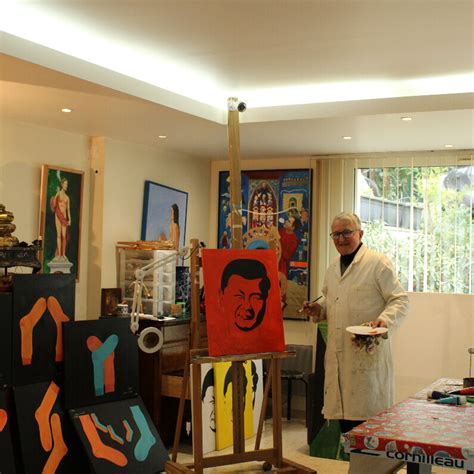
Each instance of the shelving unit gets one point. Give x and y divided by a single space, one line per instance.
161 284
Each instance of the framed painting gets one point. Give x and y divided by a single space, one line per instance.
276 213
242 298
164 214
60 219
110 298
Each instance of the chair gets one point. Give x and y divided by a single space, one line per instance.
297 369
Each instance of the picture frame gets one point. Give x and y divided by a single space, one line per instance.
164 214
110 298
269 199
61 219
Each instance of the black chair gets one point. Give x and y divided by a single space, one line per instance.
297 369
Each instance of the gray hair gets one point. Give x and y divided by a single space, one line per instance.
350 217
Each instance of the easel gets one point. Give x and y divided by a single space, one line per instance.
271 456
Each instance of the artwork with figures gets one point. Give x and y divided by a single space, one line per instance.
164 214
276 213
242 298
60 220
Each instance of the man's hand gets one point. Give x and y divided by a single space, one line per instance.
379 323
312 310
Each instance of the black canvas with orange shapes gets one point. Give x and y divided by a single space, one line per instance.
47 439
41 304
100 362
242 297
119 437
7 457
5 338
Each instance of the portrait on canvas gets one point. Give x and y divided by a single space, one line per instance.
242 298
60 219
276 213
164 214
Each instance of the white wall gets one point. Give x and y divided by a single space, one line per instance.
127 166
23 149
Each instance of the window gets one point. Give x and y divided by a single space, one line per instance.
422 217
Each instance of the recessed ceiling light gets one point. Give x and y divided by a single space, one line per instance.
162 137
407 119
448 145
347 137
66 110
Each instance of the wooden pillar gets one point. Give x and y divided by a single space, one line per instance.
233 134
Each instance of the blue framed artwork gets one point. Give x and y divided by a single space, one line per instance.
164 214
276 213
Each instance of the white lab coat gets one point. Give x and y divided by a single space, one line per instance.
359 385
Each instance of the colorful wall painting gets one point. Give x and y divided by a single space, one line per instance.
276 205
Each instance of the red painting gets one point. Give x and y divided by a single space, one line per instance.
243 305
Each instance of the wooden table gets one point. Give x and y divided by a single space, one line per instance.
420 433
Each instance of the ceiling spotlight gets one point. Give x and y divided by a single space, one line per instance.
448 146
407 119
347 137
66 110
162 137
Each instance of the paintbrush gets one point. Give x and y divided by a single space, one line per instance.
310 303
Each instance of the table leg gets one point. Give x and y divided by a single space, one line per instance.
415 468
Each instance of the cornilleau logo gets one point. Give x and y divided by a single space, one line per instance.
424 459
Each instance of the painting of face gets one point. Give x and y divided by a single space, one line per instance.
242 295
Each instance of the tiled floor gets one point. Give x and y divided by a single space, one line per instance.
294 448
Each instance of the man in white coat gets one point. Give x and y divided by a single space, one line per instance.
360 286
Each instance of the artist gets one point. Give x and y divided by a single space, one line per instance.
244 292
360 286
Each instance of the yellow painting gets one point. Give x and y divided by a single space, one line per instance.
223 399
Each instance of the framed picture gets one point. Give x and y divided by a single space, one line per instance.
110 298
276 213
164 214
60 219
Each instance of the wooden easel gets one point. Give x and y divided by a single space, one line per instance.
271 456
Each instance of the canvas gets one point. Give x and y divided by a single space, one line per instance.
60 219
48 443
208 409
164 214
223 398
257 390
242 298
276 213
100 362
119 437
41 304
7 456
5 339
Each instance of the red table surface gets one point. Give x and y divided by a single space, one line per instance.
418 427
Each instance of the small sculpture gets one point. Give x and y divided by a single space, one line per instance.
6 228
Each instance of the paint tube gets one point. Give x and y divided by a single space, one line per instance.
436 395
453 400
463 391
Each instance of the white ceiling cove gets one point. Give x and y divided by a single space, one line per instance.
310 72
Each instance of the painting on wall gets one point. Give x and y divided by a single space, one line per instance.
242 298
223 399
47 440
119 437
60 219
276 213
164 214
41 304
100 362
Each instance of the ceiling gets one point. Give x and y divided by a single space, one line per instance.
310 72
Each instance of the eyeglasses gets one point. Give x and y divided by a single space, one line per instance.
345 233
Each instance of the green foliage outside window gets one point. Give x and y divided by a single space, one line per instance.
437 255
